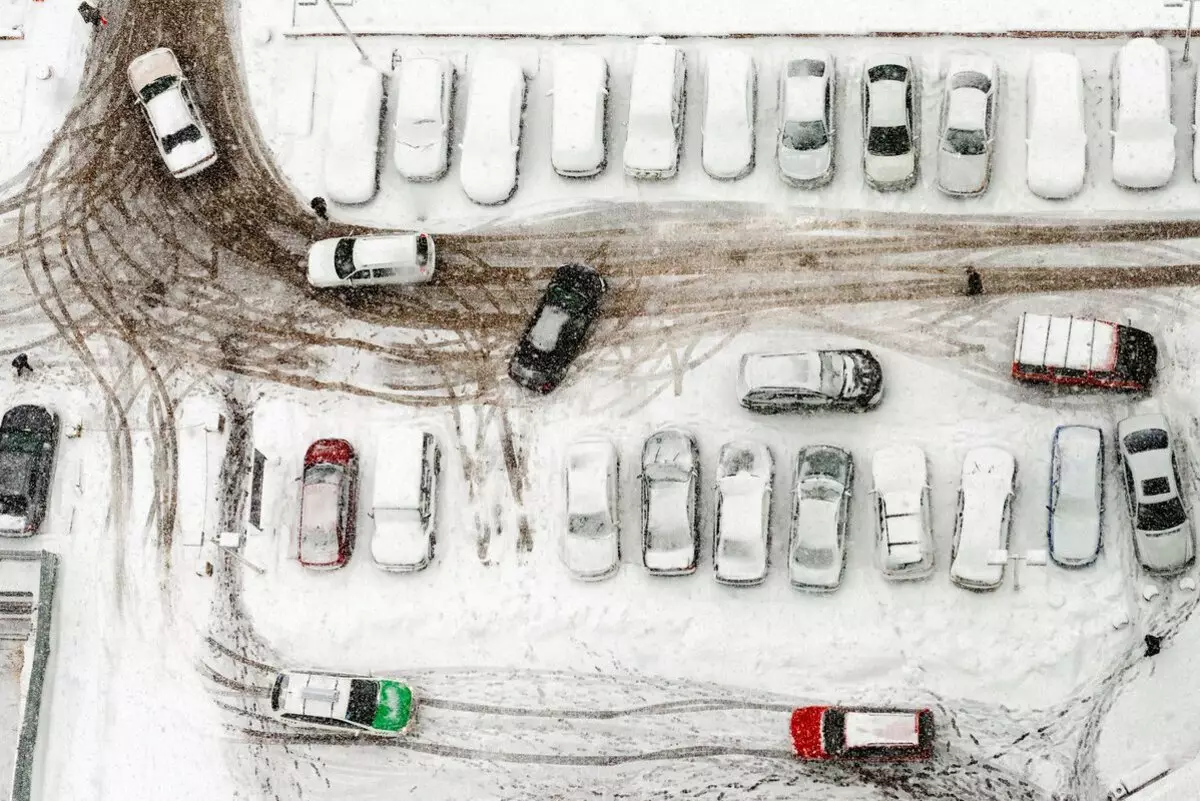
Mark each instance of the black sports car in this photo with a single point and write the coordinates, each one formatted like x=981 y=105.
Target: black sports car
x=28 y=438
x=559 y=327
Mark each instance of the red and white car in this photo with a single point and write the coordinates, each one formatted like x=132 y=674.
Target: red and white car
x=881 y=734
x=1084 y=352
x=328 y=504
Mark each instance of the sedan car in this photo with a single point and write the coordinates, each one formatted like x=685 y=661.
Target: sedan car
x=578 y=138
x=742 y=531
x=820 y=518
x=1162 y=536
x=889 y=125
x=350 y=704
x=808 y=380
x=492 y=138
x=806 y=128
x=670 y=497
x=591 y=547
x=351 y=168
x=1076 y=504
x=880 y=734
x=404 y=503
x=559 y=328
x=1143 y=152
x=984 y=518
x=903 y=527
x=383 y=260
x=1056 y=139
x=654 y=135
x=28 y=440
x=166 y=98
x=424 y=93
x=968 y=125
x=730 y=106
x=328 y=504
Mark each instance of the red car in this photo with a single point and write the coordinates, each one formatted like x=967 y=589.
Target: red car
x=328 y=504
x=871 y=733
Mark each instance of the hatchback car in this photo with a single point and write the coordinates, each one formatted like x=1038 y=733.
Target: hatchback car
x=351 y=704
x=1143 y=152
x=820 y=518
x=559 y=328
x=424 y=95
x=351 y=168
x=1056 y=134
x=670 y=497
x=656 y=111
x=903 y=523
x=492 y=139
x=984 y=518
x=28 y=441
x=166 y=98
x=808 y=380
x=742 y=514
x=889 y=124
x=578 y=129
x=1162 y=536
x=862 y=733
x=730 y=108
x=328 y=504
x=591 y=545
x=383 y=260
x=805 y=141
x=968 y=126
x=1076 y=503
x=404 y=504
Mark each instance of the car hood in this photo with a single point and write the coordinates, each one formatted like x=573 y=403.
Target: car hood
x=590 y=557
x=962 y=174
x=400 y=544
x=739 y=559
x=1168 y=551
x=488 y=176
x=890 y=169
x=1056 y=171
x=320 y=263
x=727 y=156
x=808 y=165
x=420 y=161
x=675 y=559
x=1143 y=163
x=651 y=154
x=1075 y=534
x=816 y=577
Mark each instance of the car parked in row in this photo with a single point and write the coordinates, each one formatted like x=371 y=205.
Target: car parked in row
x=656 y=111
x=984 y=519
x=1163 y=538
x=404 y=504
x=559 y=328
x=805 y=141
x=968 y=124
x=166 y=99
x=889 y=87
x=349 y=704
x=1143 y=136
x=591 y=544
x=1076 y=502
x=578 y=122
x=1056 y=133
x=1083 y=352
x=328 y=504
x=379 y=260
x=424 y=97
x=670 y=480
x=492 y=137
x=823 y=475
x=28 y=443
x=903 y=522
x=881 y=734
x=730 y=111
x=850 y=380
x=351 y=167
x=742 y=513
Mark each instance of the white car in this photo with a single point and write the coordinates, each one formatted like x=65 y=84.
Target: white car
x=348 y=704
x=730 y=102
x=1056 y=136
x=820 y=518
x=165 y=97
x=380 y=260
x=656 y=107
x=578 y=139
x=1076 y=503
x=903 y=524
x=1143 y=154
x=1196 y=132
x=591 y=547
x=670 y=500
x=424 y=92
x=889 y=88
x=492 y=139
x=968 y=124
x=984 y=519
x=742 y=531
x=1162 y=536
x=352 y=146
x=806 y=127
x=404 y=504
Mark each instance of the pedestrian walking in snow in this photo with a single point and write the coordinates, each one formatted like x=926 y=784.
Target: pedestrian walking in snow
x=21 y=364
x=974 y=282
x=318 y=205
x=91 y=15
x=1153 y=645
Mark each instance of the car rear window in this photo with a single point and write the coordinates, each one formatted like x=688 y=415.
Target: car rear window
x=890 y=141
x=364 y=699
x=157 y=87
x=806 y=67
x=188 y=133
x=1150 y=439
x=887 y=72
x=1156 y=486
x=1163 y=516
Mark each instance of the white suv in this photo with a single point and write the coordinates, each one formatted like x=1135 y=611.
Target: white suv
x=656 y=97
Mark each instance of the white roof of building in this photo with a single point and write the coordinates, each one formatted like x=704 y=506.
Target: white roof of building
x=1066 y=342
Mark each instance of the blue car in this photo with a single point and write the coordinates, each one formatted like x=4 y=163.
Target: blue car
x=1076 y=504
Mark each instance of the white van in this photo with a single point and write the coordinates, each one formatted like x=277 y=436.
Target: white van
x=352 y=143
x=656 y=99
x=1056 y=140
x=1143 y=135
x=578 y=143
x=404 y=503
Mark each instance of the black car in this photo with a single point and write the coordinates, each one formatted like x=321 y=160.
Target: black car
x=559 y=327
x=28 y=437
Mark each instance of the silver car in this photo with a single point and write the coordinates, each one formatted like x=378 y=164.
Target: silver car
x=1076 y=503
x=805 y=141
x=820 y=518
x=742 y=531
x=968 y=125
x=591 y=547
x=1162 y=536
x=889 y=125
x=670 y=495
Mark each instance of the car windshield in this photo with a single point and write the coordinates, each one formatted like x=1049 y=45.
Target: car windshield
x=343 y=257
x=188 y=133
x=1162 y=516
x=812 y=557
x=364 y=701
x=739 y=549
x=157 y=87
x=822 y=491
x=1150 y=439
x=809 y=135
x=965 y=143
x=889 y=141
x=822 y=463
x=589 y=525
x=887 y=72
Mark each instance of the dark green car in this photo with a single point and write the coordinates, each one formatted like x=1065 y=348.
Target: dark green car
x=28 y=439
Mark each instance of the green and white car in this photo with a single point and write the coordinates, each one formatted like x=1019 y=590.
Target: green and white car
x=330 y=701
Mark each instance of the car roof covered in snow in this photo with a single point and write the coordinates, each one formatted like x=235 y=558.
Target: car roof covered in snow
x=419 y=82
x=1056 y=94
x=728 y=74
x=798 y=369
x=151 y=66
x=580 y=77
x=588 y=465
x=990 y=469
x=888 y=107
x=316 y=694
x=398 y=466
x=901 y=467
x=865 y=729
x=652 y=90
x=1144 y=69
x=968 y=109
x=803 y=92
x=1073 y=343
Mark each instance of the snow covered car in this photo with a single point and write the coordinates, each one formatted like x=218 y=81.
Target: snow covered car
x=492 y=139
x=730 y=108
x=806 y=380
x=559 y=328
x=404 y=503
x=1143 y=152
x=578 y=136
x=889 y=126
x=1196 y=132
x=360 y=704
x=656 y=107
x=28 y=441
x=862 y=733
x=424 y=93
x=984 y=518
x=805 y=141
x=820 y=518
x=165 y=97
x=1162 y=536
x=1083 y=352
x=352 y=148
x=1076 y=504
x=381 y=260
x=1056 y=134
x=591 y=547
x=968 y=124
x=742 y=531
x=670 y=497
x=903 y=524
x=328 y=504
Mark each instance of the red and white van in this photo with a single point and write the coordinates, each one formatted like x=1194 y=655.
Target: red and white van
x=1091 y=353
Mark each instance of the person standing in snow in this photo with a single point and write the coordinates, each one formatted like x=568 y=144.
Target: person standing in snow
x=318 y=205
x=21 y=364
x=974 y=282
x=91 y=15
